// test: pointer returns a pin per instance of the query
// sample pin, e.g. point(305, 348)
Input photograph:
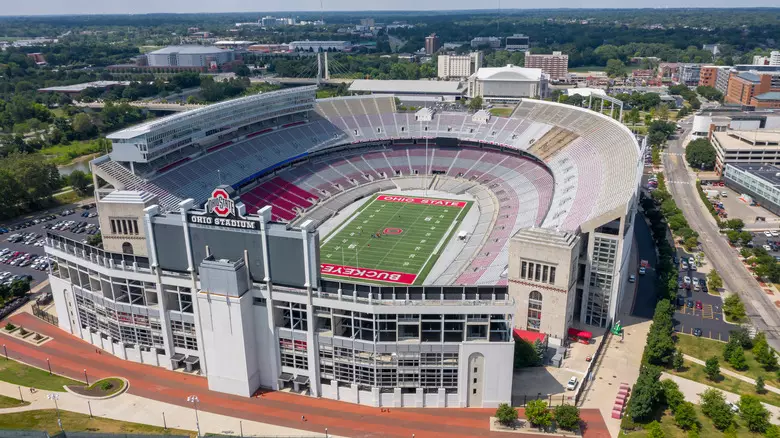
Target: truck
point(711, 193)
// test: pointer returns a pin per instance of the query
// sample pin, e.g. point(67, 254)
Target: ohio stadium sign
point(220, 211)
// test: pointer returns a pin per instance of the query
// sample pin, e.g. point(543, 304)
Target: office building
point(774, 58)
point(721, 119)
point(689, 74)
point(715, 76)
point(760, 182)
point(760, 60)
point(746, 147)
point(367, 22)
point(510, 83)
point(517, 43)
point(459, 66)
point(486, 43)
point(755, 88)
point(197, 57)
point(432, 44)
point(555, 65)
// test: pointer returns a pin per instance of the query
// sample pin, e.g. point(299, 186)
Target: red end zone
point(367, 274)
point(424, 201)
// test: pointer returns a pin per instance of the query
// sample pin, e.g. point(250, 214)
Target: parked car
point(698, 305)
point(631, 278)
point(697, 332)
point(689, 304)
point(642, 270)
point(768, 233)
point(687, 280)
point(680, 301)
point(572, 385)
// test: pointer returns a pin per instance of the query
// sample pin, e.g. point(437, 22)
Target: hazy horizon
point(96, 7)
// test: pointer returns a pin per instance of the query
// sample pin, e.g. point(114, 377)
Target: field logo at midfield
point(221, 204)
point(423, 201)
point(392, 231)
point(367, 274)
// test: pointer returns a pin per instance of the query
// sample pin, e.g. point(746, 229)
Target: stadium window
point(523, 269)
point(544, 273)
point(552, 275)
point(127, 248)
point(534, 311)
point(113, 226)
point(538, 273)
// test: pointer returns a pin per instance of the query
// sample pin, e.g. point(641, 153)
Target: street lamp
point(86, 379)
point(195, 400)
point(56, 397)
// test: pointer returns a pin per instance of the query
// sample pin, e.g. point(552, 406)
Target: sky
point(57, 7)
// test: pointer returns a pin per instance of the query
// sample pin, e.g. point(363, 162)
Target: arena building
point(345, 249)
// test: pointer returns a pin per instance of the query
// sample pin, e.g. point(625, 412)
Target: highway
point(682, 185)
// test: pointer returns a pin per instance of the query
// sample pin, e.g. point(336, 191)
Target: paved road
point(646, 297)
point(69, 356)
point(736, 278)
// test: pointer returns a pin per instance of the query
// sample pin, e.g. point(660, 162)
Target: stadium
point(342, 248)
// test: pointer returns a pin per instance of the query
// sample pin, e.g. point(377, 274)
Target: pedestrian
point(303, 418)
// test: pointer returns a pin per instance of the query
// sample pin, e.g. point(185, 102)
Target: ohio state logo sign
point(221, 204)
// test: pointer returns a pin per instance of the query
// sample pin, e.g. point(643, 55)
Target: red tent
point(530, 336)
point(580, 335)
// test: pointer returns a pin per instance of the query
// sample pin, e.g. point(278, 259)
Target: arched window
point(534, 311)
point(127, 248)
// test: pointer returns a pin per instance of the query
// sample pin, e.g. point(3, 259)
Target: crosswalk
point(687, 183)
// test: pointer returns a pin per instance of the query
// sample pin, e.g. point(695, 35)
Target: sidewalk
point(732, 374)
point(691, 391)
point(128, 407)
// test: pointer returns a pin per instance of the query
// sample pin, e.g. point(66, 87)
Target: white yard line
point(442, 240)
point(346, 222)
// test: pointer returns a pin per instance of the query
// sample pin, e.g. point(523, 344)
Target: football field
point(392, 239)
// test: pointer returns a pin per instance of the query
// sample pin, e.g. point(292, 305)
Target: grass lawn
point(69, 197)
point(73, 422)
point(64, 154)
point(10, 402)
point(707, 429)
point(501, 112)
point(101, 388)
point(696, 373)
point(704, 349)
point(412, 232)
point(17, 373)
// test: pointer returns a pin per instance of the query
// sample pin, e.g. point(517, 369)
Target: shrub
point(37, 337)
point(737, 359)
point(714, 406)
point(22, 331)
point(753, 413)
point(654, 430)
point(567, 417)
point(10, 327)
point(712, 368)
point(760, 389)
point(685, 416)
point(108, 386)
point(537, 413)
point(506, 414)
point(672, 394)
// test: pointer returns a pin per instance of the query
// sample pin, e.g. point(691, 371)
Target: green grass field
point(392, 233)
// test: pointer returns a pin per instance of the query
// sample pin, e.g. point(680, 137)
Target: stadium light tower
point(195, 400)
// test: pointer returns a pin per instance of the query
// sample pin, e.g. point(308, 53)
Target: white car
point(768, 233)
point(632, 278)
point(687, 280)
point(695, 282)
point(775, 233)
point(572, 385)
point(768, 248)
point(691, 261)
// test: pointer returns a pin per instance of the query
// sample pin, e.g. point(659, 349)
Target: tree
point(506, 414)
point(537, 413)
point(79, 181)
point(685, 416)
point(714, 280)
point(741, 336)
point(763, 353)
point(760, 389)
point(772, 431)
point(753, 413)
point(567, 417)
point(82, 126)
point(714, 406)
point(737, 359)
point(663, 112)
point(525, 355)
point(672, 394)
point(242, 70)
point(678, 361)
point(654, 430)
point(540, 349)
point(615, 68)
point(647, 393)
point(734, 308)
point(712, 368)
point(700, 153)
point(475, 104)
point(690, 243)
point(729, 347)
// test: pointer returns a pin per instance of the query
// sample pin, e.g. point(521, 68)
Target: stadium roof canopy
point(187, 50)
point(453, 88)
point(509, 73)
point(77, 88)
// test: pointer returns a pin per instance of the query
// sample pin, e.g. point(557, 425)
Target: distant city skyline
point(76, 7)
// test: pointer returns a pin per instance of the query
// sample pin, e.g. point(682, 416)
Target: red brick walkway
point(69, 356)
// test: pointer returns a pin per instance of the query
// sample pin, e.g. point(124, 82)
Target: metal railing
point(44, 315)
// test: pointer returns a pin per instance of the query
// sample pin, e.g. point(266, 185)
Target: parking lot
point(697, 312)
point(25, 247)
point(739, 209)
